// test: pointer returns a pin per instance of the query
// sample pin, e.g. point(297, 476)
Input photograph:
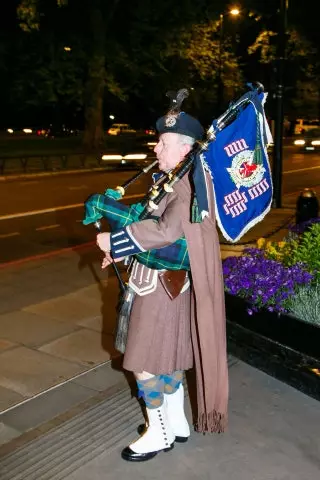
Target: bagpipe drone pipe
point(235, 155)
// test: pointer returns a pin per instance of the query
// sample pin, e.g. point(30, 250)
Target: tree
point(139, 55)
point(201, 47)
point(180, 49)
point(46, 78)
point(99, 14)
point(302, 70)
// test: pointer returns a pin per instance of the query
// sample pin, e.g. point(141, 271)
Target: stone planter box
point(280, 345)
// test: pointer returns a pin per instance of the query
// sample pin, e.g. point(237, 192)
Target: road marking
point(12, 234)
point(57, 209)
point(48, 227)
point(301, 170)
point(40, 212)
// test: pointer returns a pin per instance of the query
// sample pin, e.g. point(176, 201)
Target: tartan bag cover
point(118, 215)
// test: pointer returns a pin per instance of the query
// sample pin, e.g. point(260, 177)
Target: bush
point(301, 249)
point(263, 282)
point(306, 304)
point(280, 276)
point(307, 250)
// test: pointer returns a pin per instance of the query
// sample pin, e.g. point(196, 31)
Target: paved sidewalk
point(57, 317)
point(273, 434)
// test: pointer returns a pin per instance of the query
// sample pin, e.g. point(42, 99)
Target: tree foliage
point(301, 67)
point(127, 53)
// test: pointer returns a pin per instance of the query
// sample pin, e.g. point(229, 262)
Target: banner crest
point(238, 162)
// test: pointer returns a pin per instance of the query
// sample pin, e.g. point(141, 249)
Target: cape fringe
point(212, 422)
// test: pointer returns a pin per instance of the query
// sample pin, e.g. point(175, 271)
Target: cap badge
point(170, 120)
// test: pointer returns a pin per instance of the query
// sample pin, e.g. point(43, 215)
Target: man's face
point(170, 151)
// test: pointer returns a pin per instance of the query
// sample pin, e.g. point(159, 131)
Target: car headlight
point(111, 157)
point(299, 142)
point(135, 156)
point(315, 142)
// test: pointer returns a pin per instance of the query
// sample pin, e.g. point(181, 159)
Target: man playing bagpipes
point(177, 317)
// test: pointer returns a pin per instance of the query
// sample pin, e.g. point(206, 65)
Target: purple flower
point(303, 226)
point(263, 282)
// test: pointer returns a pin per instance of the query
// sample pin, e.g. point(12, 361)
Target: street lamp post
point(234, 12)
point(279, 117)
point(279, 112)
point(220, 84)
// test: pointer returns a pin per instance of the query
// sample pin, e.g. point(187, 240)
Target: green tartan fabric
point(173, 257)
point(195, 214)
point(258, 156)
point(118, 215)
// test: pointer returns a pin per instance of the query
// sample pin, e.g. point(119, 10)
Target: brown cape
point(209, 328)
point(208, 323)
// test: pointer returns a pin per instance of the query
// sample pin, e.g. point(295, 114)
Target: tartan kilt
point(159, 336)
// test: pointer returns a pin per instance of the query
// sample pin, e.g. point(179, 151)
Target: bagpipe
point(235, 155)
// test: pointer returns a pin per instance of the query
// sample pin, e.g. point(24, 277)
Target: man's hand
point(103, 241)
point(107, 260)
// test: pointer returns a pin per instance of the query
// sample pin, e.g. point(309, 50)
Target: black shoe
point(178, 439)
point(131, 456)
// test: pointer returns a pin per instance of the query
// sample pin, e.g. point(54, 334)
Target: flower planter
point(280, 345)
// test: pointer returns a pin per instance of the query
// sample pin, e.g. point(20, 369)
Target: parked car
point(54, 131)
point(309, 142)
point(42, 132)
point(121, 129)
point(150, 131)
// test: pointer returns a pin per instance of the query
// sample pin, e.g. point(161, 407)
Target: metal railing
point(62, 162)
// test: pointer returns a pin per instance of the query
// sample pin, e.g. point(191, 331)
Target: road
point(41, 215)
